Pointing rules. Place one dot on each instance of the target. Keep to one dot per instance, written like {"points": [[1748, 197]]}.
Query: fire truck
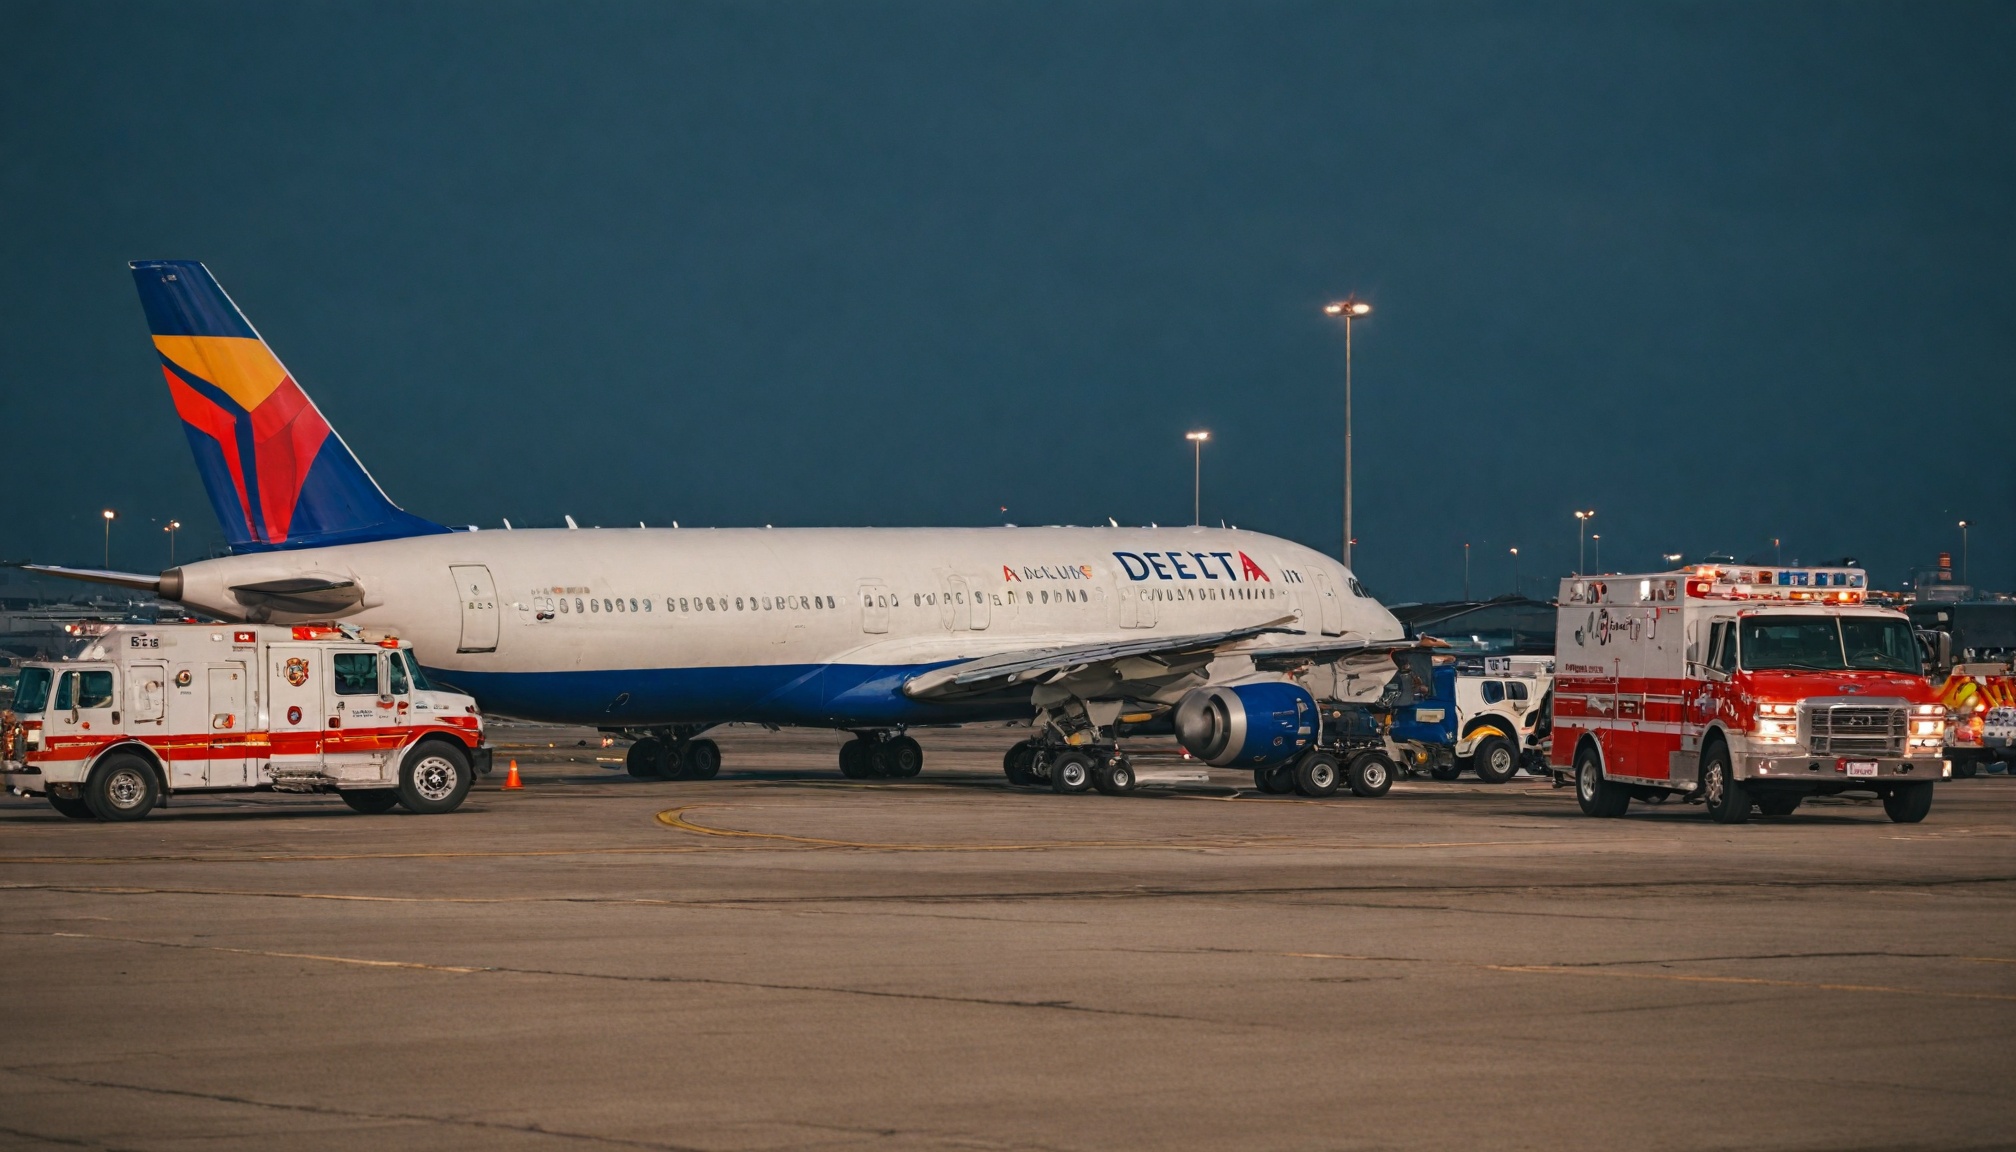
{"points": [[1741, 688], [149, 712]]}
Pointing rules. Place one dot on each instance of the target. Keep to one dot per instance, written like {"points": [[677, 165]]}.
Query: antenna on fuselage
{"points": [[570, 522], [507, 524], [1112, 522]]}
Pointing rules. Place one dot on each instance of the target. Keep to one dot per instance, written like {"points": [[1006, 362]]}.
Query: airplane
{"points": [[1226, 637]]}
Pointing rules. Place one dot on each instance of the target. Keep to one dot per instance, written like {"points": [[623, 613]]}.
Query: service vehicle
{"points": [[1971, 645], [1490, 720], [1741, 687], [149, 712]]}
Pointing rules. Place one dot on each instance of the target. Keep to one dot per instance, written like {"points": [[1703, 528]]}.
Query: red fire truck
{"points": [[1741, 688], [150, 712]]}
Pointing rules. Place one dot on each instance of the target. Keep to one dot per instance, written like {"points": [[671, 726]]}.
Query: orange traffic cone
{"points": [[511, 778]]}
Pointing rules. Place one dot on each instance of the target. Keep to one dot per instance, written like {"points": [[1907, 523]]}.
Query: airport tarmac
{"points": [[780, 959]]}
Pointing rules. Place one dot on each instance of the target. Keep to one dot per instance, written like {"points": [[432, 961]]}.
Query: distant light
{"points": [[1199, 435], [108, 514], [1351, 307], [1585, 515]]}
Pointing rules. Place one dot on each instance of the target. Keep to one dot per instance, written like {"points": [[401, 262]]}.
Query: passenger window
{"points": [[355, 673], [647, 604], [1494, 692], [66, 691], [738, 604], [397, 668], [577, 604], [563, 604], [1516, 689], [94, 689]]}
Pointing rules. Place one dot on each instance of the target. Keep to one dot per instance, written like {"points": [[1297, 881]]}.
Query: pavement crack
{"points": [[354, 1114]]}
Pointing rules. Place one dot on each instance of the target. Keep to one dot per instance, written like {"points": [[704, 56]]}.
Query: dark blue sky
{"points": [[1723, 272]]}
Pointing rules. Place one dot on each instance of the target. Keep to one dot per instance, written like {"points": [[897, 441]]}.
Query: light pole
{"points": [[108, 514], [1963, 552], [170, 528], [1596, 538], [1350, 308], [1515, 571], [1197, 439], [1582, 537], [1466, 573]]}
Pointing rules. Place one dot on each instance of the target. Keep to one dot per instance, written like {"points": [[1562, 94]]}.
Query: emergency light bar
{"points": [[1711, 582]]}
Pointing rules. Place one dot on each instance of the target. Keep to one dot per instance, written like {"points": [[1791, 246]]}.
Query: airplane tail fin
{"points": [[277, 474]]}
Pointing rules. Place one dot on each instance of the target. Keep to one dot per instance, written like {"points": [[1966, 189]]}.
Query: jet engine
{"points": [[1246, 725]]}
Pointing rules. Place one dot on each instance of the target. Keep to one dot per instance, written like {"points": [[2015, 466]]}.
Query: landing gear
{"points": [[674, 754], [1276, 781], [878, 755], [1020, 764], [1115, 777], [642, 760], [1071, 772]]}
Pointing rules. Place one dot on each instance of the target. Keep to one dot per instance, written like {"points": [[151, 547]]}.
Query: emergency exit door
{"points": [[1329, 607], [478, 593]]}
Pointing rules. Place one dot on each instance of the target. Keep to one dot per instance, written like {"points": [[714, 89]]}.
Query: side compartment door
{"points": [[297, 675], [478, 593], [188, 752], [230, 752], [874, 607], [1329, 606]]}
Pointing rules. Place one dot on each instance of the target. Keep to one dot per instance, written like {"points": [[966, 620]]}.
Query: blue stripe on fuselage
{"points": [[816, 695]]}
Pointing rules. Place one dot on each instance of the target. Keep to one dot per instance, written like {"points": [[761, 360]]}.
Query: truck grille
{"points": [[1856, 729]]}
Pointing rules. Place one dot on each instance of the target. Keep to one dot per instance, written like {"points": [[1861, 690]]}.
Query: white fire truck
{"points": [[148, 712], [1741, 687]]}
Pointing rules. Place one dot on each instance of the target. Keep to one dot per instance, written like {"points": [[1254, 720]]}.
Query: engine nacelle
{"points": [[1246, 725]]}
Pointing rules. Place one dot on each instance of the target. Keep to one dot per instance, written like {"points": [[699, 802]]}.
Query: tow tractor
{"points": [[1741, 688], [1492, 721], [146, 713]]}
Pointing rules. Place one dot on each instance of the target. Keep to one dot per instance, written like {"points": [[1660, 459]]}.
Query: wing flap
{"points": [[1007, 669]]}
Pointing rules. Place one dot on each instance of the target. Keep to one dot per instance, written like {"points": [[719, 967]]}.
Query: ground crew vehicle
{"points": [[148, 712], [1492, 721], [1971, 645], [1740, 687]]}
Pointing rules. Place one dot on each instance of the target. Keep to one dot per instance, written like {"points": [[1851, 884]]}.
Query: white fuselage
{"points": [[634, 627]]}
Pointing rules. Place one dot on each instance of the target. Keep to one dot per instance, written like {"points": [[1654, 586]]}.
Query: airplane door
{"points": [[982, 612], [478, 593], [296, 678], [228, 723], [957, 591], [874, 608], [1330, 607]]}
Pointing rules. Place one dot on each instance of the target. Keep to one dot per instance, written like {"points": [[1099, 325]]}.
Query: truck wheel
{"points": [[1727, 799], [1908, 803], [122, 788], [1597, 796], [1964, 767], [1370, 774], [434, 778], [1317, 774], [74, 809], [1071, 772], [1778, 805], [1276, 781], [702, 760], [642, 758], [370, 801], [902, 758], [1114, 778], [1449, 771], [1495, 760]]}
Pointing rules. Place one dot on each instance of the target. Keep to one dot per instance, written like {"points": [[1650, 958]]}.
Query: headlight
{"points": [[1928, 727], [1777, 724], [1777, 710]]}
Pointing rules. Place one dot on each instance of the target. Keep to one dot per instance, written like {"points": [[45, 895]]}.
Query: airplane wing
{"points": [[1008, 669], [1283, 657]]}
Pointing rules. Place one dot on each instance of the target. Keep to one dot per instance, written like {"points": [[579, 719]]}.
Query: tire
{"points": [[74, 809], [435, 778], [671, 761], [1370, 775], [1276, 781], [1317, 774], [1015, 764], [1908, 803], [370, 801], [642, 758], [1778, 804], [1597, 796], [1447, 771], [1964, 767], [1070, 773], [1115, 777], [122, 787], [902, 758], [1495, 760], [854, 759], [702, 760], [1727, 799]]}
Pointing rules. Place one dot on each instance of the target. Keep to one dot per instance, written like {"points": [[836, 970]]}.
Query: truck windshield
{"points": [[1828, 644], [31, 692], [413, 665]]}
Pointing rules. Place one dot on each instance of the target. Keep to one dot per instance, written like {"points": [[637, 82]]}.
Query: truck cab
{"points": [[149, 712], [1491, 719]]}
